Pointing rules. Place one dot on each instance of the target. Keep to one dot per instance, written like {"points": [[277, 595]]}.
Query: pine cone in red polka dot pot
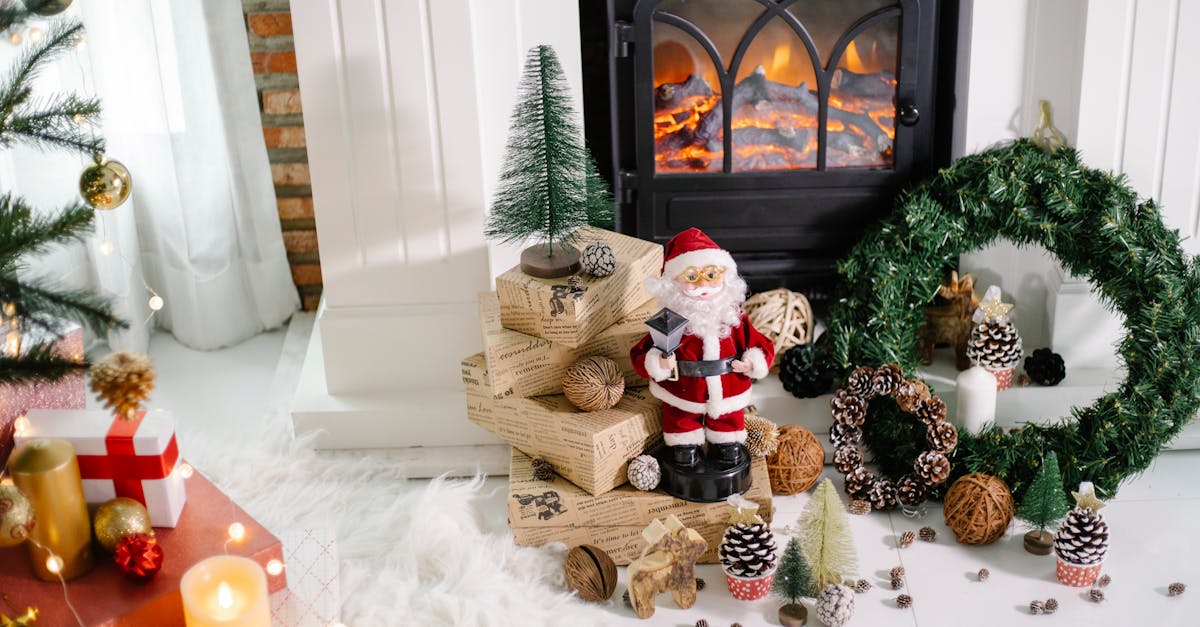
{"points": [[1082, 541], [747, 552]]}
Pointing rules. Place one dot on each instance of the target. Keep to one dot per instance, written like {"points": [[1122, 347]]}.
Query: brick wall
{"points": [[273, 55]]}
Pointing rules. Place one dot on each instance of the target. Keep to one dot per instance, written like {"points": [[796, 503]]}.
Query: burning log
{"points": [[879, 87], [672, 96]]}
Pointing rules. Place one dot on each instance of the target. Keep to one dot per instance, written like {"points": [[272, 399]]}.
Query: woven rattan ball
{"points": [[978, 508], [797, 461], [594, 383], [782, 315], [590, 572]]}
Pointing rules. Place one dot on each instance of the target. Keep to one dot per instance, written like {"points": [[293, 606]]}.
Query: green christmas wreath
{"points": [[1097, 227]]}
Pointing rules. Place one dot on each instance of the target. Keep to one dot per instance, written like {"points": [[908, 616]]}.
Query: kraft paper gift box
{"points": [[558, 511], [138, 458], [591, 449], [553, 310], [105, 598], [69, 392], [524, 365]]}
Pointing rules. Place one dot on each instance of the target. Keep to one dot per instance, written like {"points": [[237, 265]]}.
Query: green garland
{"points": [[1096, 226]]}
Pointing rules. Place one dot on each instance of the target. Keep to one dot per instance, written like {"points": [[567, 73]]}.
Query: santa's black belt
{"points": [[706, 367]]}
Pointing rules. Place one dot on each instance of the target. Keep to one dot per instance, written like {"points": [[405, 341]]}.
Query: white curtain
{"points": [[201, 228]]}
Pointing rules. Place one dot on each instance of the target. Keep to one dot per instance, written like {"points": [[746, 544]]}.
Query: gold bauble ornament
{"points": [[119, 518], [46, 8], [16, 516], [106, 184]]}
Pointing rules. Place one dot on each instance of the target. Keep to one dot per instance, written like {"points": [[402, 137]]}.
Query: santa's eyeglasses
{"points": [[693, 274]]}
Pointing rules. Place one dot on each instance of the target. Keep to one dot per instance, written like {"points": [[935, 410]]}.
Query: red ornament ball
{"points": [[139, 556]]}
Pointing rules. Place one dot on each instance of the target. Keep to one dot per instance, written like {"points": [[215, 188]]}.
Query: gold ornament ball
{"points": [[978, 508], [119, 518], [46, 8], [16, 516], [797, 462], [105, 185]]}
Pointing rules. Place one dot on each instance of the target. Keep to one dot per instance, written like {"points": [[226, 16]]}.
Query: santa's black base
{"points": [[703, 482]]}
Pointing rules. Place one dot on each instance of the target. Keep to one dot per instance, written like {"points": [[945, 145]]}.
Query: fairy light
{"points": [[155, 303], [274, 568], [237, 532], [21, 425], [15, 38], [54, 564], [36, 35], [186, 471], [106, 247]]}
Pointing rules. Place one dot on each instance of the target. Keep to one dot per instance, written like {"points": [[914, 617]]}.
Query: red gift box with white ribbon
{"points": [[137, 458]]}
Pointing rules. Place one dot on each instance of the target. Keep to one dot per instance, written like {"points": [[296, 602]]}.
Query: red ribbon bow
{"points": [[123, 465]]}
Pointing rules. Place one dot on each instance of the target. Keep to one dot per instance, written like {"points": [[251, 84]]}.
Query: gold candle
{"points": [[48, 473]]}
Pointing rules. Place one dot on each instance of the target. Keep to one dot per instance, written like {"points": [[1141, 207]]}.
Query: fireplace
{"points": [[782, 128]]}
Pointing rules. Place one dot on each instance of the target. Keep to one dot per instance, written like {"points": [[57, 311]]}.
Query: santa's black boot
{"points": [[685, 456], [725, 455]]}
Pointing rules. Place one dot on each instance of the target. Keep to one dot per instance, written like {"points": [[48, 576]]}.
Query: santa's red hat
{"points": [[693, 248]]}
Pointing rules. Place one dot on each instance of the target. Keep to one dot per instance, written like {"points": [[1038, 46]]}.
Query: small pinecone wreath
{"points": [[1045, 367], [882, 495], [748, 549], [1083, 538], [994, 345], [542, 470], [804, 371], [644, 472], [928, 534], [598, 259], [1175, 589], [123, 381], [910, 491], [849, 411]]}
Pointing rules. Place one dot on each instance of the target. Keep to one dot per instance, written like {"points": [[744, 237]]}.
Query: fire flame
{"points": [[224, 596]]}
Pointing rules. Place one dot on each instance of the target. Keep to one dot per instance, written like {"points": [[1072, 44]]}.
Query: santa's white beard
{"points": [[716, 315]]}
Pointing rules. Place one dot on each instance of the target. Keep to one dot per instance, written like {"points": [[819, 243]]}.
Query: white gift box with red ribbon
{"points": [[137, 458]]}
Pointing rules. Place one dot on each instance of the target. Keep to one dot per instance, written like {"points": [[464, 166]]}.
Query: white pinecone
{"points": [[995, 345], [1083, 538], [748, 550], [644, 472], [835, 605], [598, 259]]}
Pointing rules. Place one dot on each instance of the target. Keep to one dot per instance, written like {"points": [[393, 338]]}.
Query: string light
{"points": [[106, 247], [54, 564], [21, 425], [186, 471], [237, 532], [36, 35], [15, 38], [274, 568], [155, 303]]}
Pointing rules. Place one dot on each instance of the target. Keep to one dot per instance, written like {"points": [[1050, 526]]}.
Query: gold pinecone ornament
{"points": [[123, 381]]}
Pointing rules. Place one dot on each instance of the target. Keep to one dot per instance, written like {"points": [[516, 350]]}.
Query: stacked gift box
{"points": [[533, 331]]}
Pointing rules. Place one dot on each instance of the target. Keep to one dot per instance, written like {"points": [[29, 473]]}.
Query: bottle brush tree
{"points": [[549, 185], [793, 579], [825, 536], [1044, 505], [33, 311]]}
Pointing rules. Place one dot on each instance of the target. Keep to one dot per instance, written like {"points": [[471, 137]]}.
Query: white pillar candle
{"points": [[976, 394], [225, 591]]}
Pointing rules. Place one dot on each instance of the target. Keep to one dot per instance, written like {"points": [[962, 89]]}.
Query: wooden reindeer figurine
{"points": [[950, 323], [668, 563]]}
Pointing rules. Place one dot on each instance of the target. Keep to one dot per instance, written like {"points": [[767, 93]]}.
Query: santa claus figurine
{"points": [[705, 383]]}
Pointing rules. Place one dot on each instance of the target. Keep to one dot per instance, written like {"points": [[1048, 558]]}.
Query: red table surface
{"points": [[104, 597]]}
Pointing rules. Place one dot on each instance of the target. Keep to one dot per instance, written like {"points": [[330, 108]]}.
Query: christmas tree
{"points": [[825, 536], [793, 579], [549, 185], [54, 121], [1045, 502]]}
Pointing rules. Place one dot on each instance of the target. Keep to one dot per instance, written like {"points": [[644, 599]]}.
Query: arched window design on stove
{"points": [[769, 85]]}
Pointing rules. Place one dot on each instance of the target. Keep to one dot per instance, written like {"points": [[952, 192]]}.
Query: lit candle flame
{"points": [[224, 596]]}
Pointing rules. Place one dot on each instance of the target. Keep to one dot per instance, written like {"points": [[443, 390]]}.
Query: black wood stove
{"points": [[782, 128]]}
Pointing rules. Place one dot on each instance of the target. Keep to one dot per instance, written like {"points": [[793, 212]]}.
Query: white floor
{"points": [[1154, 524]]}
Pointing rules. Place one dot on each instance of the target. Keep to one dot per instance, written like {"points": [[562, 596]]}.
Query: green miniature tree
{"points": [[1044, 505], [549, 185], [793, 579], [825, 536]]}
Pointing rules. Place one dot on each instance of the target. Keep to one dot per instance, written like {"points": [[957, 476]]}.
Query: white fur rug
{"points": [[413, 552]]}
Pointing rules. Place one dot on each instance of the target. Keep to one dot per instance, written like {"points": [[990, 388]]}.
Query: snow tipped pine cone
{"points": [[1082, 539], [942, 437], [858, 483], [882, 495], [931, 410], [910, 393], [848, 409], [887, 380], [910, 491], [845, 435], [860, 382], [933, 468], [847, 458], [995, 345], [748, 550]]}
